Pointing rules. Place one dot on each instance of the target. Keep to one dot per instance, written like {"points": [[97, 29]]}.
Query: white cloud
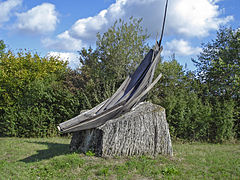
{"points": [[6, 7], [181, 48], [195, 18], [83, 31], [72, 58], [184, 18], [63, 42], [40, 19], [86, 28]]}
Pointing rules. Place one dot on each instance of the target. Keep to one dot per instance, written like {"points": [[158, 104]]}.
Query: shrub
{"points": [[33, 97]]}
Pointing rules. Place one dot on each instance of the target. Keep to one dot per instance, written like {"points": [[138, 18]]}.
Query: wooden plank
{"points": [[118, 94], [82, 117], [96, 121], [128, 94], [129, 86]]}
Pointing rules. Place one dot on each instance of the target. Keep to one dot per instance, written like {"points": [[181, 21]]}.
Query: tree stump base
{"points": [[142, 131]]}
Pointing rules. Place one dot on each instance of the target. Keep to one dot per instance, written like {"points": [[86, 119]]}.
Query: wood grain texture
{"points": [[142, 131]]}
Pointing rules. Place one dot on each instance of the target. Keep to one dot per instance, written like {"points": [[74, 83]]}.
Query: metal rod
{"points": [[164, 19]]}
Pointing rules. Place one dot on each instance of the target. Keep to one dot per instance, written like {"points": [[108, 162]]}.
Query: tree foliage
{"points": [[190, 116], [117, 54], [187, 116], [17, 71], [219, 72], [33, 99], [37, 93], [2, 47], [219, 63]]}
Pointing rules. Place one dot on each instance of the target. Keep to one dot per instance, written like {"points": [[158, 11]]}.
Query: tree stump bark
{"points": [[142, 131]]}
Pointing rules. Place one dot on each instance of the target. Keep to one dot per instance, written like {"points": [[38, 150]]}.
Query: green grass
{"points": [[50, 159]]}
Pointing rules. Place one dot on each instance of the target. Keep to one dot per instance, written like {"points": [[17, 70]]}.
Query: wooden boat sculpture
{"points": [[130, 93]]}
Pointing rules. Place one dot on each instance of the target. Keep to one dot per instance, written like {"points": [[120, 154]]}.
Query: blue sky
{"points": [[61, 28]]}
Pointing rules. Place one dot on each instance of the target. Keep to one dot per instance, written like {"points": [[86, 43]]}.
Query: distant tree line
{"points": [[37, 93]]}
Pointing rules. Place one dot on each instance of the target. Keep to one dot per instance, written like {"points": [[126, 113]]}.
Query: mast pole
{"points": [[163, 25]]}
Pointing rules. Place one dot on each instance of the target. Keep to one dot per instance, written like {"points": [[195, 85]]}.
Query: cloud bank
{"points": [[40, 19], [185, 18]]}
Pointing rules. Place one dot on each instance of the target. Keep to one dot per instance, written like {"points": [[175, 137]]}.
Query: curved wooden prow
{"points": [[163, 25]]}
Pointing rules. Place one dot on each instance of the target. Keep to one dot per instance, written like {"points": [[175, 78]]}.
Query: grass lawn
{"points": [[49, 158]]}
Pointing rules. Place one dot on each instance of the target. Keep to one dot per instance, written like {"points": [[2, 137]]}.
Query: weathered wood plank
{"points": [[128, 94]]}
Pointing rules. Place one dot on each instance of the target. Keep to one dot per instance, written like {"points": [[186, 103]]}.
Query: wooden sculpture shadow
{"points": [[53, 149]]}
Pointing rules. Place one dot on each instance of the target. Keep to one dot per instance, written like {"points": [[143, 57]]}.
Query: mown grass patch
{"points": [[45, 158]]}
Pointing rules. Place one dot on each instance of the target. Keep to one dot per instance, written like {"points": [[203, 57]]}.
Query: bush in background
{"points": [[33, 97]]}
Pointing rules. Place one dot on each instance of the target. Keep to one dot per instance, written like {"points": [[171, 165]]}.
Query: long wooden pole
{"points": [[164, 19]]}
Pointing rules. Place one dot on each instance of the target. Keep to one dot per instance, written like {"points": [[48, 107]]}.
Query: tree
{"points": [[33, 98], [191, 115], [219, 63], [187, 116], [122, 48], [117, 54], [17, 71], [2, 47], [218, 71]]}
